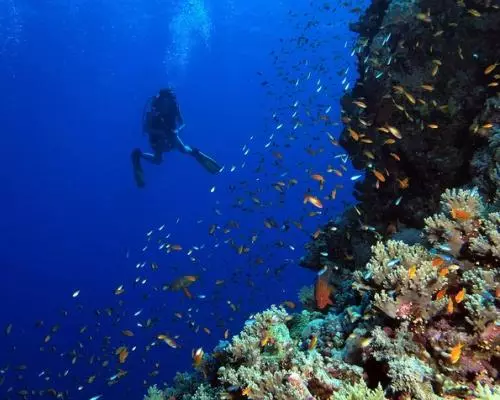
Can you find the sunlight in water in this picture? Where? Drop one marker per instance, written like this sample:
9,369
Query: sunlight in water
190,26
10,26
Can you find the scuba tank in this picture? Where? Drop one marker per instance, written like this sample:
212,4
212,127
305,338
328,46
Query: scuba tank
146,115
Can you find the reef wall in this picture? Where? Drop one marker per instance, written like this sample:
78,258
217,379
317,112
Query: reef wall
422,117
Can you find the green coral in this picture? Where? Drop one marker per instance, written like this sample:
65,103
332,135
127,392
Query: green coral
269,326
205,392
410,375
302,325
487,393
359,391
154,394
306,296
185,385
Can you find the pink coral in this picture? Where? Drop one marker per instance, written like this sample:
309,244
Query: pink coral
404,310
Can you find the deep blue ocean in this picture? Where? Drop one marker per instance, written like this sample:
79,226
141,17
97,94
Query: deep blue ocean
74,77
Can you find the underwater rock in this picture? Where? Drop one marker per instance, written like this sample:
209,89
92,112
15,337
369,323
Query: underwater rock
421,66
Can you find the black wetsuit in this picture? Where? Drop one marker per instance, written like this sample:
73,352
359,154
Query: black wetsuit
163,123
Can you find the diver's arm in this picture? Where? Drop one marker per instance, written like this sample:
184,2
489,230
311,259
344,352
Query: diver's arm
179,120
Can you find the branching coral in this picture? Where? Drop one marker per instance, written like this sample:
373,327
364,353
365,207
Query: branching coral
266,363
487,242
359,391
411,375
464,226
154,394
404,281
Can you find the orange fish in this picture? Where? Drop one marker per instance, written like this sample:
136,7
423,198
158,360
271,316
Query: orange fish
456,352
168,340
449,307
353,134
313,200
187,293
322,292
459,297
379,175
395,156
175,247
437,262
197,357
460,215
444,271
122,353
319,178
404,183
440,294
290,304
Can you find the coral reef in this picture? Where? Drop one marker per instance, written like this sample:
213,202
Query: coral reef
414,268
425,326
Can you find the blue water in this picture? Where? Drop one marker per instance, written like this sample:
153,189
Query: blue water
74,77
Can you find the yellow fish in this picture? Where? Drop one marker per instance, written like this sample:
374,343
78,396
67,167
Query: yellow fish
490,68
456,352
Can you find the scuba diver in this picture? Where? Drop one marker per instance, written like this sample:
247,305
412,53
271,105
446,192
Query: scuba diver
162,121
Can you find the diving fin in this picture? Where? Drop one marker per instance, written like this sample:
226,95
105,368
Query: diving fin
138,172
208,163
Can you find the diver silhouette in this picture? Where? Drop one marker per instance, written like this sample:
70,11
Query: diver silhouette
162,121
